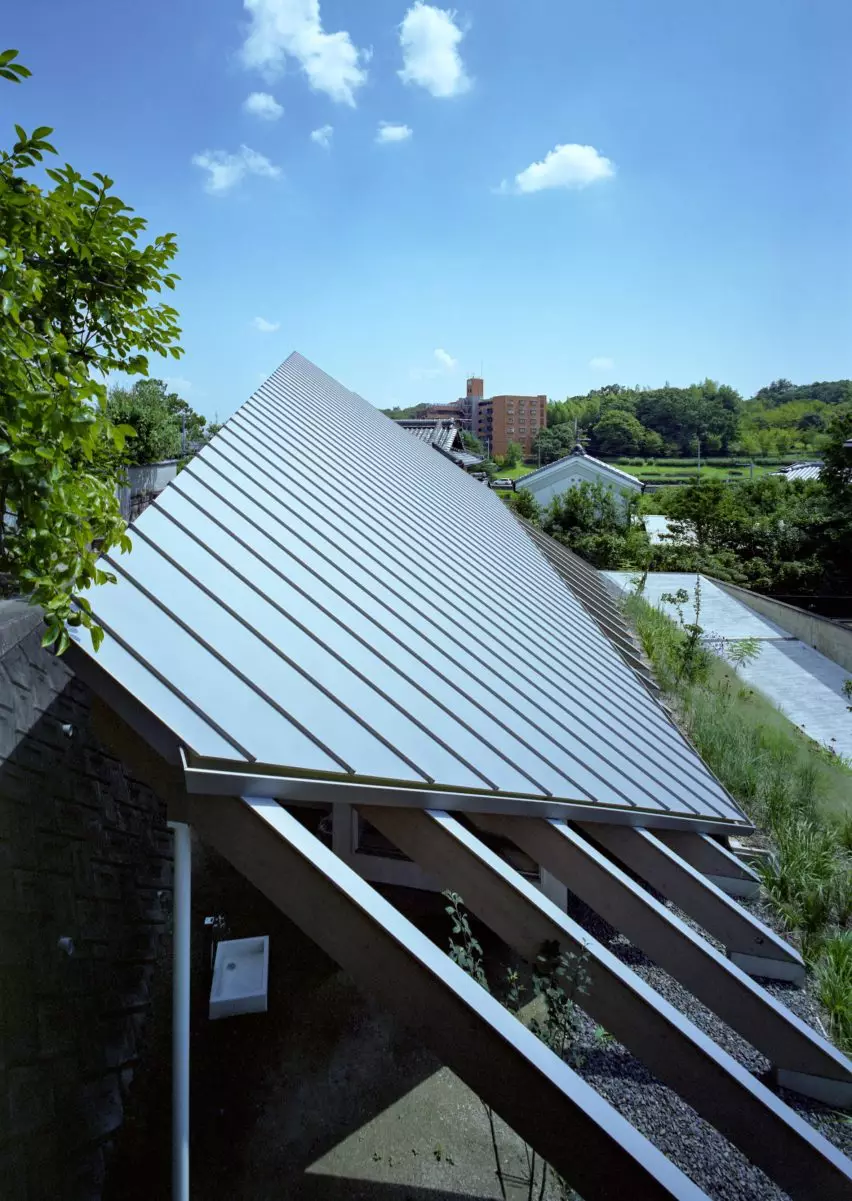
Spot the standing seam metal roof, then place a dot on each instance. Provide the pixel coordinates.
(405, 629)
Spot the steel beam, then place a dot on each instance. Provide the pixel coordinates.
(801, 1058)
(787, 1148)
(716, 862)
(540, 1097)
(750, 944)
(215, 777)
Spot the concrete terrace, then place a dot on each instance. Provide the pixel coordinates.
(805, 685)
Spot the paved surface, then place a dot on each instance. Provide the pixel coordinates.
(805, 685)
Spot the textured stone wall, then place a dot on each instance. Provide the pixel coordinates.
(85, 900)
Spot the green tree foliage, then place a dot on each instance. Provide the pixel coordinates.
(782, 391)
(554, 442)
(513, 456)
(472, 443)
(837, 460)
(599, 524)
(618, 433)
(159, 418)
(772, 534)
(75, 286)
(525, 504)
(401, 414)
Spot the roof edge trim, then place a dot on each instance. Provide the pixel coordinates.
(209, 777)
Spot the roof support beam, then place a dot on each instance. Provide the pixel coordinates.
(716, 862)
(750, 944)
(802, 1060)
(567, 1122)
(723, 1092)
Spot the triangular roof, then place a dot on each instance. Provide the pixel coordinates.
(290, 608)
(605, 469)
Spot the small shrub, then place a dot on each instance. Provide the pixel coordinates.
(834, 985)
(801, 879)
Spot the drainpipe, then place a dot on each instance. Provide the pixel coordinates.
(180, 1011)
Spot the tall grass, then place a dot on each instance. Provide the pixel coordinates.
(834, 985)
(787, 785)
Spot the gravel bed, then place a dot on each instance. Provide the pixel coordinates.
(703, 1154)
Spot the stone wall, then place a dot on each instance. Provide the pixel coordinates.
(85, 899)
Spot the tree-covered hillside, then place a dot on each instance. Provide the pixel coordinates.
(781, 419)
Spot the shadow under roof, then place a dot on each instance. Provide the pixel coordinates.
(320, 593)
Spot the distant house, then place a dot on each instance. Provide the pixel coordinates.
(576, 468)
(444, 436)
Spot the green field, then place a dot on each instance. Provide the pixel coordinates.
(662, 471)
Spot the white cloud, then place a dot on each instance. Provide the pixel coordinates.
(226, 170)
(322, 136)
(388, 132)
(446, 365)
(601, 363)
(279, 29)
(261, 104)
(567, 166)
(177, 383)
(266, 327)
(430, 39)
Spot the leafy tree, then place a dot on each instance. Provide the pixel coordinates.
(600, 525)
(525, 504)
(472, 443)
(513, 456)
(554, 443)
(830, 392)
(159, 418)
(837, 461)
(75, 286)
(653, 443)
(618, 433)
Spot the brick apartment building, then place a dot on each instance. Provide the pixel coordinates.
(498, 420)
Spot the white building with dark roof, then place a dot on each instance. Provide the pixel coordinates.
(576, 468)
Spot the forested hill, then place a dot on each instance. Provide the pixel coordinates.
(782, 391)
(782, 418)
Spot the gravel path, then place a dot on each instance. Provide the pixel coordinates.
(706, 1156)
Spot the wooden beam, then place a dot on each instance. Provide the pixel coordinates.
(721, 1090)
(540, 1097)
(716, 862)
(750, 944)
(796, 1051)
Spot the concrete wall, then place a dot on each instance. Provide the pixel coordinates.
(85, 856)
(828, 637)
(144, 484)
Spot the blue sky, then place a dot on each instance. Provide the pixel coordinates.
(697, 222)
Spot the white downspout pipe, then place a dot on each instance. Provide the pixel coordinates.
(180, 1010)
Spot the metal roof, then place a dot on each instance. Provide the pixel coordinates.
(290, 601)
(801, 471)
(579, 453)
(442, 434)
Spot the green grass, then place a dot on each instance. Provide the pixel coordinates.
(664, 471)
(515, 473)
(792, 788)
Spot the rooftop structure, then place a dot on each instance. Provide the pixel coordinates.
(801, 471)
(576, 468)
(279, 642)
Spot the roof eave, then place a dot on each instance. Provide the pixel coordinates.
(212, 777)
